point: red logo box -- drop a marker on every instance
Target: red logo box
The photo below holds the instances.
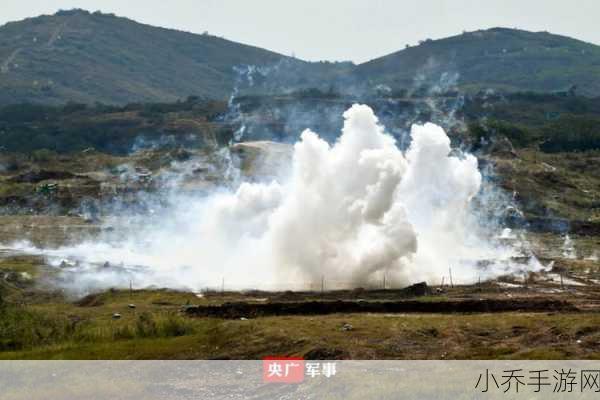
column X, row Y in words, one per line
column 283, row 369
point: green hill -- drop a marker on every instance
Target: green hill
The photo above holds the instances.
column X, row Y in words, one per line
column 88, row 57
column 499, row 58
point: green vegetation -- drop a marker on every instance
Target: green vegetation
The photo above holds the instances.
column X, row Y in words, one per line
column 493, row 129
column 168, row 336
column 530, row 137
column 559, row 122
column 88, row 57
column 506, row 60
column 93, row 57
column 84, row 57
column 544, row 148
column 22, row 328
column 572, row 134
column 42, row 131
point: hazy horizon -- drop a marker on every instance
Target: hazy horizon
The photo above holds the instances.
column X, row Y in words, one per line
column 337, row 30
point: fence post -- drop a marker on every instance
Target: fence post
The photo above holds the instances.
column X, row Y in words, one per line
column 322, row 284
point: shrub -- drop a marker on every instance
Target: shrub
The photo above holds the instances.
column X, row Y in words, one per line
column 572, row 134
column 21, row 328
column 148, row 325
column 43, row 155
column 519, row 136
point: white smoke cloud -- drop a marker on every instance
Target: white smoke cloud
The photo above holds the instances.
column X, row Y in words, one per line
column 348, row 212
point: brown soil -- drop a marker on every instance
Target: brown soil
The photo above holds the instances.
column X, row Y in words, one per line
column 250, row 310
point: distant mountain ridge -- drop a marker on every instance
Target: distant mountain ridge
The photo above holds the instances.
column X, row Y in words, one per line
column 93, row 57
column 497, row 58
column 84, row 57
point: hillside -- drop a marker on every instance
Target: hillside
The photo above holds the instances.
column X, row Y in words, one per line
column 27, row 128
column 499, row 58
column 88, row 57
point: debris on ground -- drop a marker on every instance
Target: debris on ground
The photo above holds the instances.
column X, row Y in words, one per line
column 325, row 353
column 47, row 188
column 347, row 327
column 418, row 289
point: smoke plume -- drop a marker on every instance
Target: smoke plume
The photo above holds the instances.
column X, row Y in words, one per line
column 347, row 213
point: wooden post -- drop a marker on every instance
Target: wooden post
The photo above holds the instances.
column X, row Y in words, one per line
column 451, row 282
column 562, row 285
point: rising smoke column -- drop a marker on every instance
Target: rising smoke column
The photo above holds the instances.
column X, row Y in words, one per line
column 341, row 216
column 349, row 212
column 362, row 208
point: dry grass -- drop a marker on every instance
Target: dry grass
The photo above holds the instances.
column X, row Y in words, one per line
column 485, row 336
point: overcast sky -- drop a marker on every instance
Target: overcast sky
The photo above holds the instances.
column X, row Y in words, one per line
column 356, row 30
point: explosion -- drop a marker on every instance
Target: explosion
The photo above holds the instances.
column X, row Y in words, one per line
column 349, row 213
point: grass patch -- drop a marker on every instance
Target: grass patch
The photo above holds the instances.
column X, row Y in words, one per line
column 25, row 328
column 425, row 336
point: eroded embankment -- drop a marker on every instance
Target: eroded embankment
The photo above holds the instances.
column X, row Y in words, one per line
column 249, row 310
